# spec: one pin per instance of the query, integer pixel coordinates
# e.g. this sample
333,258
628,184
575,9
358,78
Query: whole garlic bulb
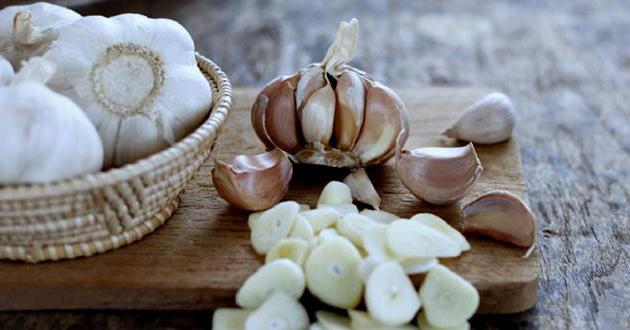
45,136
28,30
6,71
136,78
330,113
489,120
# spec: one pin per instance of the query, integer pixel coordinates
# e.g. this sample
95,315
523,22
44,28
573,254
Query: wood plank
202,255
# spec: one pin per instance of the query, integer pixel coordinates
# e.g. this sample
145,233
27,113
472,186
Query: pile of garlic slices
343,256
135,78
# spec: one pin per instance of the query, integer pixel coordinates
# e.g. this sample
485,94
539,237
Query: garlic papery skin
253,182
6,72
362,188
44,135
502,216
489,120
439,175
28,30
344,117
136,78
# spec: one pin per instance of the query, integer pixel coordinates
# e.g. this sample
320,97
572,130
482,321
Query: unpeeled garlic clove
385,119
350,92
439,175
253,182
311,80
318,115
258,110
362,188
489,120
502,216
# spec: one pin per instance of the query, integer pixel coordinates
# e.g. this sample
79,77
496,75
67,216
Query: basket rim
212,125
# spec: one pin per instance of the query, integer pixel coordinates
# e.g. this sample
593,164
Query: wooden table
566,65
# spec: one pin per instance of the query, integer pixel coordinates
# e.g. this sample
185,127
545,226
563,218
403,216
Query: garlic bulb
44,135
439,175
6,71
489,120
28,30
254,182
136,78
330,113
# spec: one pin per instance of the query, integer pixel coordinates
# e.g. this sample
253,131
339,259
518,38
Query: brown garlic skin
253,182
502,216
438,175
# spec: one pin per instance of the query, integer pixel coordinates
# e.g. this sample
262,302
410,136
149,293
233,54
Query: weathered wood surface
565,63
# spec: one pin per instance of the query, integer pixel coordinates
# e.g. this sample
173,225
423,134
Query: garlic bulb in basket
28,30
330,113
45,136
136,78
6,71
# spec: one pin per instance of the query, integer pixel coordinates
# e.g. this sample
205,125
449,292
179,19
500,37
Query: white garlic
489,120
136,78
44,135
28,30
6,71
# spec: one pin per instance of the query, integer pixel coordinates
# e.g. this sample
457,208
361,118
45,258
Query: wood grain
201,257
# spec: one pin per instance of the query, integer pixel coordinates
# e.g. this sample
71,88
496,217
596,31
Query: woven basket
96,213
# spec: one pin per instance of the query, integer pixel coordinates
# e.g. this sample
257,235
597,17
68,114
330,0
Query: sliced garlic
448,299
369,263
229,318
390,296
413,266
362,188
423,324
294,249
280,275
321,218
331,273
443,227
253,182
350,92
335,192
341,209
353,226
410,239
304,207
303,230
280,311
374,240
439,175
380,216
252,219
489,120
502,216
326,234
360,320
332,321
273,225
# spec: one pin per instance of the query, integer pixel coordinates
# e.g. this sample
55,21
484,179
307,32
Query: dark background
566,65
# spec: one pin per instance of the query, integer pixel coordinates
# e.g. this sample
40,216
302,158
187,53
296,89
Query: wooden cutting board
202,254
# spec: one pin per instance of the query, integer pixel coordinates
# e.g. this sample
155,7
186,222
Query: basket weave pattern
99,212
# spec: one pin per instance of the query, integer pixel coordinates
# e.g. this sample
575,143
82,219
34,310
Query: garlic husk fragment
253,182
45,136
136,78
502,216
439,175
489,120
362,188
6,72
28,30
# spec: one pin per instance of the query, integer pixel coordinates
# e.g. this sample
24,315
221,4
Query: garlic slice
443,227
439,175
280,311
489,120
229,318
292,248
390,296
362,188
280,275
273,225
410,239
253,182
332,321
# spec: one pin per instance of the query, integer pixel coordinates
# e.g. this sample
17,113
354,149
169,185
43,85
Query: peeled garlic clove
362,188
318,115
335,192
350,92
253,182
448,300
331,273
280,311
443,227
439,175
229,318
280,275
321,218
385,118
292,248
409,239
489,120
332,321
311,80
280,116
342,209
380,216
424,324
390,297
273,225
502,216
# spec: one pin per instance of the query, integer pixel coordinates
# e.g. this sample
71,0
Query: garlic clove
280,117
385,118
279,311
502,216
362,188
489,120
260,106
335,192
350,92
318,115
253,182
439,175
311,80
